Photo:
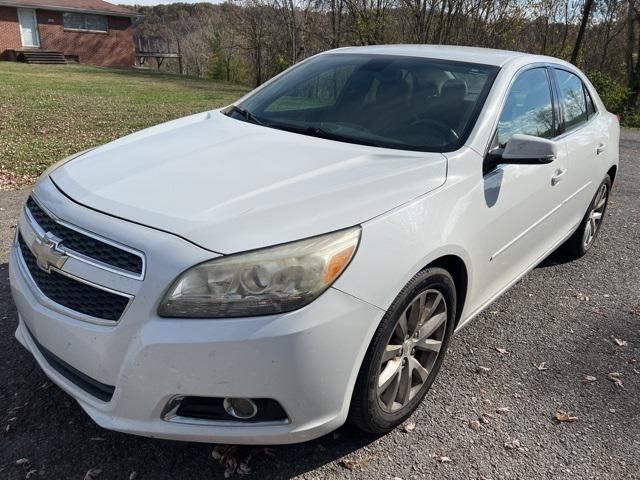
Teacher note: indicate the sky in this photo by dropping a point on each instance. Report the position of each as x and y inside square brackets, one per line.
[158, 2]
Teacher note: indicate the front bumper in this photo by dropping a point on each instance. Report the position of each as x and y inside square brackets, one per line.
[306, 360]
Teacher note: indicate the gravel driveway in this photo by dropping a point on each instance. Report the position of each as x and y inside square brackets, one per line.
[489, 414]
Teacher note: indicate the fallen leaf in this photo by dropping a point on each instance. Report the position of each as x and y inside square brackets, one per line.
[502, 410]
[348, 464]
[243, 469]
[236, 460]
[12, 181]
[31, 473]
[133, 475]
[615, 378]
[221, 452]
[502, 351]
[410, 427]
[92, 473]
[22, 461]
[542, 366]
[617, 341]
[513, 445]
[474, 425]
[588, 379]
[230, 468]
[354, 463]
[563, 417]
[485, 417]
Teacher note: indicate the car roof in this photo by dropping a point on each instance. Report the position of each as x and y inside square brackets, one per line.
[486, 56]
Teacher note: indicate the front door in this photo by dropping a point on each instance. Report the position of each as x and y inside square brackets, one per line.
[28, 27]
[523, 202]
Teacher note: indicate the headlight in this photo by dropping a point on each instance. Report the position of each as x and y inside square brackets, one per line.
[270, 280]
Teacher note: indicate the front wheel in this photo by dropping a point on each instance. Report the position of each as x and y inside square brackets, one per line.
[583, 238]
[406, 352]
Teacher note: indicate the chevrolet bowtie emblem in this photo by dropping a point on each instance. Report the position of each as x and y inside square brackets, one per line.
[47, 253]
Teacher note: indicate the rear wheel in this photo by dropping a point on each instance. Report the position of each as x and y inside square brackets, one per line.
[406, 352]
[583, 238]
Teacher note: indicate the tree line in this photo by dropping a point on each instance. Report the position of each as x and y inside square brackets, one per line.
[249, 41]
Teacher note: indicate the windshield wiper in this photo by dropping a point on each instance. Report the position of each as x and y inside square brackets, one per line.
[311, 131]
[248, 116]
[321, 133]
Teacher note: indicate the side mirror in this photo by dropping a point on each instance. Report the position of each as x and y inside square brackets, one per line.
[522, 150]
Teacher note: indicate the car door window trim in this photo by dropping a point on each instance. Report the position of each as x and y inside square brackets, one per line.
[564, 132]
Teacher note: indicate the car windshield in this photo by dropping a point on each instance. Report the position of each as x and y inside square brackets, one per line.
[400, 102]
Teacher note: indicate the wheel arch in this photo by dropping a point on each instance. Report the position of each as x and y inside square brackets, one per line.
[457, 268]
[612, 173]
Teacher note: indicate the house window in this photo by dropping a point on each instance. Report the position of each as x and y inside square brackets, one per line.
[83, 21]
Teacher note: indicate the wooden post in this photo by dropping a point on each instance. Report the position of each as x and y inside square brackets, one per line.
[179, 57]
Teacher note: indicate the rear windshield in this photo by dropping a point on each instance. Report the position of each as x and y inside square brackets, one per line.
[398, 102]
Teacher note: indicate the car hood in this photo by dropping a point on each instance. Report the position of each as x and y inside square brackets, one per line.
[229, 186]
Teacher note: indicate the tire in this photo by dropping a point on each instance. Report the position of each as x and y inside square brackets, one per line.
[578, 245]
[376, 408]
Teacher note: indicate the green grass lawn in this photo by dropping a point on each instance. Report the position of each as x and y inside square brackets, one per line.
[49, 112]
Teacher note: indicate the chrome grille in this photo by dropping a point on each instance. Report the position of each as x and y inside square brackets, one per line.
[85, 245]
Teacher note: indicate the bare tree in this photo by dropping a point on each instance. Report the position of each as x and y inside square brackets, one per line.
[586, 13]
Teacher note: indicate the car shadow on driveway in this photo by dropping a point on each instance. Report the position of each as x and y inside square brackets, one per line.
[557, 257]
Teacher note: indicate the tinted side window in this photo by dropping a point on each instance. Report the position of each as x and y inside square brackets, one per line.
[574, 104]
[528, 109]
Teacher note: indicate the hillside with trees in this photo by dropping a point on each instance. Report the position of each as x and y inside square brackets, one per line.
[249, 41]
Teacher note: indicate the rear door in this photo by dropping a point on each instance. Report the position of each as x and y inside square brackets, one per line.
[584, 139]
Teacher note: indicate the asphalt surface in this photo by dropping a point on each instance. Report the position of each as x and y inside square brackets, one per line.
[558, 325]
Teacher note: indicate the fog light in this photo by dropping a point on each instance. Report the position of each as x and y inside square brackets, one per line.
[240, 408]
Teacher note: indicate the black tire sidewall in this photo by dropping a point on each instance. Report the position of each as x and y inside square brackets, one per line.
[373, 417]
[578, 244]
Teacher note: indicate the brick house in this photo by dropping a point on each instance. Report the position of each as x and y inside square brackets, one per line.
[86, 31]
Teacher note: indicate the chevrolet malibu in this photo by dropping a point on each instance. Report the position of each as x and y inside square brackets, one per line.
[265, 272]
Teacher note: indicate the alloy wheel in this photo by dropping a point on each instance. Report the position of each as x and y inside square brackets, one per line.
[594, 219]
[412, 350]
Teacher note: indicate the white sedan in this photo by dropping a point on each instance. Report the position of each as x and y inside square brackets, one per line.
[265, 272]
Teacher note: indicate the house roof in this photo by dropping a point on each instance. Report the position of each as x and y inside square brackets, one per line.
[82, 6]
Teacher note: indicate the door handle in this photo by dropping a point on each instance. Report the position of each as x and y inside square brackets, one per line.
[558, 176]
[600, 148]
